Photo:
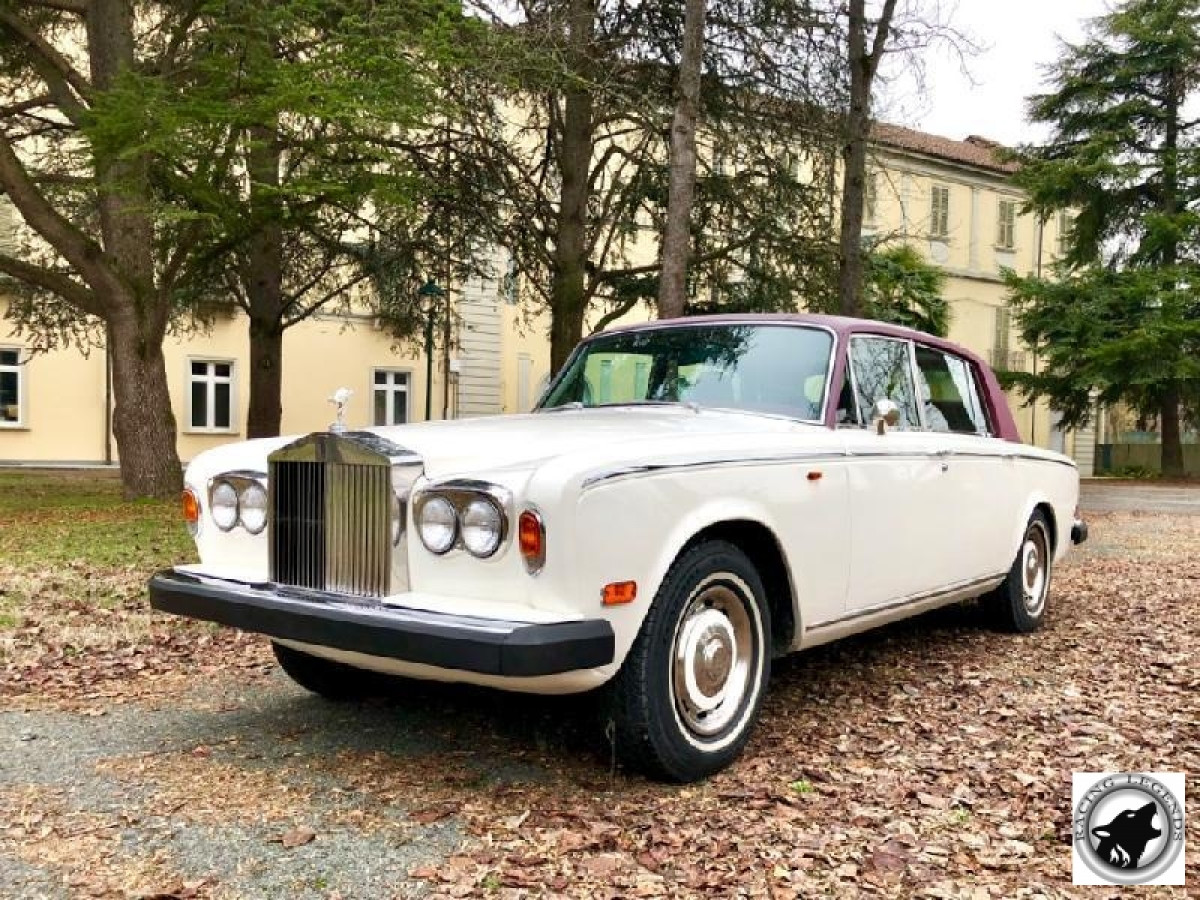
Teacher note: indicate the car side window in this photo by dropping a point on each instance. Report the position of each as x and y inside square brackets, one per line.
[948, 393]
[881, 370]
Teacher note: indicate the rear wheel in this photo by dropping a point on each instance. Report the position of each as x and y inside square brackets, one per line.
[331, 680]
[688, 694]
[1018, 604]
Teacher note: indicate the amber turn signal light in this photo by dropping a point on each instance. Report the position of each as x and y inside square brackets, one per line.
[619, 593]
[531, 539]
[191, 509]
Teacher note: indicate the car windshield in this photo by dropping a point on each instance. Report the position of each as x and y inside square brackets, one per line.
[777, 369]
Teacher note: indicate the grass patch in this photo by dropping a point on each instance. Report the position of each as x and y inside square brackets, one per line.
[53, 519]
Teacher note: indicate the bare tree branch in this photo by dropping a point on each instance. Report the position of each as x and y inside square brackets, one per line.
[78, 249]
[55, 282]
[78, 7]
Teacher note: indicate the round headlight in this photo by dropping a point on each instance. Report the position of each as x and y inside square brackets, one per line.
[482, 527]
[438, 524]
[224, 505]
[252, 506]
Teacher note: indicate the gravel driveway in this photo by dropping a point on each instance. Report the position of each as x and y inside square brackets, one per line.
[1103, 495]
[931, 758]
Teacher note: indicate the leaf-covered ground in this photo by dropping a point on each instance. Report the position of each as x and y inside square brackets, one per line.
[141, 756]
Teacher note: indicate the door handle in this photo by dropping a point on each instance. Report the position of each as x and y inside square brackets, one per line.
[943, 456]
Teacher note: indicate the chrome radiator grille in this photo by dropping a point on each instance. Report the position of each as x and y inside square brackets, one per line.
[330, 526]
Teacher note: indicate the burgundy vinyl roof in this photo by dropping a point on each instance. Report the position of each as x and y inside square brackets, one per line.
[841, 325]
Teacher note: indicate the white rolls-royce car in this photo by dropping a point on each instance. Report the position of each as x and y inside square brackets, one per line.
[690, 499]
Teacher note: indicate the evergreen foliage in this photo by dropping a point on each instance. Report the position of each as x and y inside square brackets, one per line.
[1118, 317]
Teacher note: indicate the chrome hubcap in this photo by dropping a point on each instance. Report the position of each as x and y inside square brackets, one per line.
[1035, 564]
[713, 657]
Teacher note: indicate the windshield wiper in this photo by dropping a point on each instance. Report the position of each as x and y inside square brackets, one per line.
[689, 404]
[574, 404]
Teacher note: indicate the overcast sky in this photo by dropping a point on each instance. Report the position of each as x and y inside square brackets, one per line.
[1018, 37]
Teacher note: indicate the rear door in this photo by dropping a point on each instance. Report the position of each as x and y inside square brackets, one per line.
[981, 501]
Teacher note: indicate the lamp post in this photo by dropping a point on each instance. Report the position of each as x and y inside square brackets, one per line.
[429, 293]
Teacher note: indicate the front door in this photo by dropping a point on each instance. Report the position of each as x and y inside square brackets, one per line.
[898, 544]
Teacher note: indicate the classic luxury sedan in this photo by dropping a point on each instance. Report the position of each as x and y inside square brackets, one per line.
[689, 500]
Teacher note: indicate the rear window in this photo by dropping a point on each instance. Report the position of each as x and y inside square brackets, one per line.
[950, 396]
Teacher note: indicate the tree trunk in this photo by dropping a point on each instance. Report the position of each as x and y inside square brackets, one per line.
[676, 244]
[136, 313]
[266, 378]
[1172, 445]
[262, 281]
[1170, 203]
[854, 164]
[863, 65]
[568, 301]
[143, 423]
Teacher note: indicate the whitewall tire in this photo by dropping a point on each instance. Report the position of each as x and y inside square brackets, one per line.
[688, 693]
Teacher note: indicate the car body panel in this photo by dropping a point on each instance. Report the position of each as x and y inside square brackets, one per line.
[872, 524]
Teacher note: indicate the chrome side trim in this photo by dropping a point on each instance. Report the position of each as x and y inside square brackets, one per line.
[1070, 463]
[655, 468]
[946, 593]
[822, 456]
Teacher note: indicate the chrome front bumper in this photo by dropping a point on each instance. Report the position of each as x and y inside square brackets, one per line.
[466, 643]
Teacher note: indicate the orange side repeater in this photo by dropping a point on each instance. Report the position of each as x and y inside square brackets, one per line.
[619, 593]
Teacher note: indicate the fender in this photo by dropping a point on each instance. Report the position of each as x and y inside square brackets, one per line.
[716, 512]
[648, 526]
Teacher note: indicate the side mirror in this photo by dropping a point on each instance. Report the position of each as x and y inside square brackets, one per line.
[886, 414]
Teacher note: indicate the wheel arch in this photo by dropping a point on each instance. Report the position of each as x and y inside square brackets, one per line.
[765, 552]
[1046, 509]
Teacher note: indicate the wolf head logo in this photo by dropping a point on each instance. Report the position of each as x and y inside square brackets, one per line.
[1124, 839]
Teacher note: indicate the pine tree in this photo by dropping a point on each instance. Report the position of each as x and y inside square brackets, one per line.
[1120, 317]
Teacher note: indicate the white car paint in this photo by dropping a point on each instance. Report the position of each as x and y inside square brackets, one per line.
[872, 527]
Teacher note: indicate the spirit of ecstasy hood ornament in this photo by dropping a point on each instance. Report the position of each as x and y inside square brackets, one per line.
[339, 399]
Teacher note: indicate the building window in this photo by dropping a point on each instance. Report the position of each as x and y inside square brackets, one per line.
[870, 198]
[390, 397]
[12, 388]
[210, 395]
[1063, 229]
[1002, 357]
[1006, 230]
[939, 211]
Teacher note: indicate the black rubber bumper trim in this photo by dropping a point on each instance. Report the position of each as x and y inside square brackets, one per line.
[470, 644]
[1079, 532]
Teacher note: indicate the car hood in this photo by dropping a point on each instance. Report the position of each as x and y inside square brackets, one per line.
[509, 442]
[521, 441]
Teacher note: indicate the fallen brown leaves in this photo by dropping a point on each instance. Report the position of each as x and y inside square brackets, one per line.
[930, 759]
[935, 758]
[84, 636]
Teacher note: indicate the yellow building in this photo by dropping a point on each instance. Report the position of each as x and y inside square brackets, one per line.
[953, 200]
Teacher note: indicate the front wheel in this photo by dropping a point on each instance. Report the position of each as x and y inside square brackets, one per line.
[687, 696]
[1018, 604]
